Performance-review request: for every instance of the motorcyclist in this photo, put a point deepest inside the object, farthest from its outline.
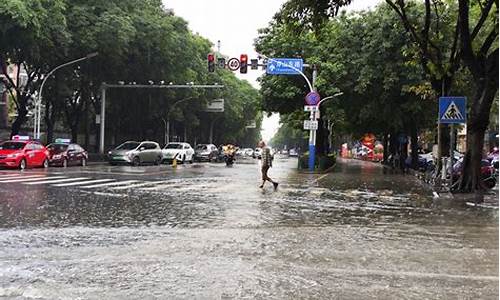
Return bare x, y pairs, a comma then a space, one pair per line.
229, 151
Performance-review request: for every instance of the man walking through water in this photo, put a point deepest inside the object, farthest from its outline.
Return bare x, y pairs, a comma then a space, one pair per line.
267, 162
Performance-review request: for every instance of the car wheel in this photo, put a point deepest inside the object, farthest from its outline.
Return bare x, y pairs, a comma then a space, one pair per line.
22, 164
84, 162
137, 161
157, 161
65, 163
45, 164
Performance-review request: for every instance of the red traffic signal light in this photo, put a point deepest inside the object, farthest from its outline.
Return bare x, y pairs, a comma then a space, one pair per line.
243, 63
211, 62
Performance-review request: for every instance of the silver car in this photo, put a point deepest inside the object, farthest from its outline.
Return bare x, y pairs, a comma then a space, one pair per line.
136, 153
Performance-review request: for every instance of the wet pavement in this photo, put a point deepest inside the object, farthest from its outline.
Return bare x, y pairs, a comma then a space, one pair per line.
205, 231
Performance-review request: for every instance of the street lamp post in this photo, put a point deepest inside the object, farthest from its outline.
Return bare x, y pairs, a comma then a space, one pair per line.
38, 114
168, 117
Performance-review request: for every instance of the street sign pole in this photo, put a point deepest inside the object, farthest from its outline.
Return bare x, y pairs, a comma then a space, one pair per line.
452, 110
312, 133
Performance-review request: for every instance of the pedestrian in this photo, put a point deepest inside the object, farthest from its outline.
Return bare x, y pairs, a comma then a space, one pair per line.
266, 163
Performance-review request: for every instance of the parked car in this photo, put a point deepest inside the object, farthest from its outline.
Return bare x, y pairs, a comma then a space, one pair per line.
182, 152
23, 153
293, 153
205, 152
136, 153
248, 152
257, 153
63, 153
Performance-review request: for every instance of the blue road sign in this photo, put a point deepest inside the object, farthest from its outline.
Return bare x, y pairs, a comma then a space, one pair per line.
452, 110
312, 98
281, 66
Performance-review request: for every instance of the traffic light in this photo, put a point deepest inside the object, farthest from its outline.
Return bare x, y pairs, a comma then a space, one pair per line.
243, 63
211, 62
221, 63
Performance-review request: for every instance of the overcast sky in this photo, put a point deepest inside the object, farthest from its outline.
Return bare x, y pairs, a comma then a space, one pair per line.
235, 24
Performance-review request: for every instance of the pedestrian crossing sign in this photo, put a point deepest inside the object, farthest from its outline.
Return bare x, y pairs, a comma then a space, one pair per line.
452, 110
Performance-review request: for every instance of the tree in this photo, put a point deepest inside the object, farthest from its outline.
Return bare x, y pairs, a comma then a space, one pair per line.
480, 58
32, 33
479, 52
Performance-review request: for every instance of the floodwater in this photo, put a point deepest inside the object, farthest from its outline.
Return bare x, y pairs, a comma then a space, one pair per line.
208, 232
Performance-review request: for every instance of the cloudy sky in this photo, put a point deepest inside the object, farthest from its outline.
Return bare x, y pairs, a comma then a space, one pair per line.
235, 24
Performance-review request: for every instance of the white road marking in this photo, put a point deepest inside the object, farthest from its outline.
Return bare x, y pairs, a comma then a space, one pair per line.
109, 184
31, 179
52, 180
159, 186
137, 185
82, 182
20, 177
8, 175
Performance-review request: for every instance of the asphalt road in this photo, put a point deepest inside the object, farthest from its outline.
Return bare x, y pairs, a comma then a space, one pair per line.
206, 231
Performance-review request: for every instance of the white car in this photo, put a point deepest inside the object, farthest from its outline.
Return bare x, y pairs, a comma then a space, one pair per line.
293, 153
257, 153
248, 151
182, 152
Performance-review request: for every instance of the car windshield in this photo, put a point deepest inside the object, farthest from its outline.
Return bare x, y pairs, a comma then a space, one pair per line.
57, 147
201, 147
128, 146
173, 146
12, 146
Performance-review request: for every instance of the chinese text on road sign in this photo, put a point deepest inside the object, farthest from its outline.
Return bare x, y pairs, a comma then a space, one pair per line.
310, 125
284, 66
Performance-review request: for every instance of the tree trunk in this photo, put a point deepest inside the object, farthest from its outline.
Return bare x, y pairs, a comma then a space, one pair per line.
414, 147
386, 147
320, 138
74, 133
477, 123
19, 121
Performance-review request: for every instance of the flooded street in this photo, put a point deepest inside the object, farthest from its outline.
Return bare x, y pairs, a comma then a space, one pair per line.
205, 231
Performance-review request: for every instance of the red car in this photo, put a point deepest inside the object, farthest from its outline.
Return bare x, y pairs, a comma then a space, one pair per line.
63, 154
22, 154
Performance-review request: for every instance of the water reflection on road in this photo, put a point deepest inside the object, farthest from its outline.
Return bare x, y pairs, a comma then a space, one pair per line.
212, 233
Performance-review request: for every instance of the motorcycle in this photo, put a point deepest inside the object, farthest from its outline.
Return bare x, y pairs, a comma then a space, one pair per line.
229, 155
229, 159
487, 172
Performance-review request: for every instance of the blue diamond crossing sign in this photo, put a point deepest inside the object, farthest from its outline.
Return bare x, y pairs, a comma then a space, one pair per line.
284, 66
452, 110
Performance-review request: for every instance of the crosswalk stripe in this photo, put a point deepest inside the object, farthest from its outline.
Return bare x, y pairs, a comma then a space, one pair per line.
159, 186
21, 177
136, 185
30, 179
52, 180
8, 175
109, 184
82, 182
